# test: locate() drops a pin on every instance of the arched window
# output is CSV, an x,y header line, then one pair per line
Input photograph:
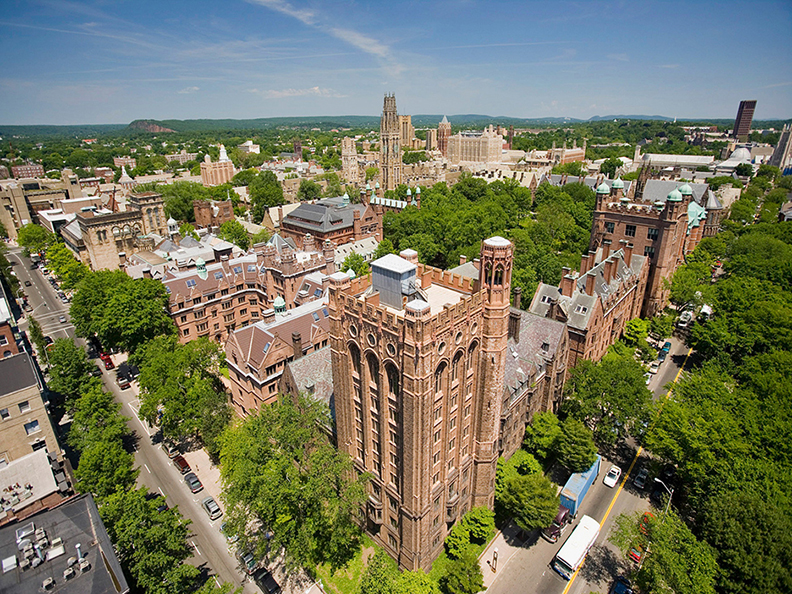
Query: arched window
x,y
472,355
498,277
354,355
393,381
373,369
487,273
151,222
456,367
439,377
157,216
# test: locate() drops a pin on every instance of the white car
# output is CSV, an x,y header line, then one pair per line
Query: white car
x,y
654,367
612,477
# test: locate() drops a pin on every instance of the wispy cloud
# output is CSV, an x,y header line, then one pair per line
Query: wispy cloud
x,y
782,84
364,43
669,66
283,93
619,57
188,90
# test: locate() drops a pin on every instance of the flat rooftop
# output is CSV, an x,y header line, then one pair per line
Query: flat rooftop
x,y
25,481
439,296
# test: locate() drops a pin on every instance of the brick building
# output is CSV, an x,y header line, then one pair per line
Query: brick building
x,y
332,219
212,213
27,170
597,302
215,299
219,172
130,162
443,134
419,359
258,355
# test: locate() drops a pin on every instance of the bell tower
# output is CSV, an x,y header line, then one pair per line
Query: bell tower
x,y
497,255
390,144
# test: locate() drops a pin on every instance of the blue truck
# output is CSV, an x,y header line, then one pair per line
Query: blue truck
x,y
578,485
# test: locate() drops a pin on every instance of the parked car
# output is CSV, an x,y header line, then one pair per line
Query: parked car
x,y
612,477
95,372
266,582
640,479
27,283
193,482
654,367
108,363
647,378
62,319
621,585
48,340
684,319
180,463
247,561
122,381
666,347
646,519
170,449
668,475
636,553
230,538
661,356
211,508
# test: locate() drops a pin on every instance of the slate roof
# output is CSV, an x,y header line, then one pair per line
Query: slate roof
x,y
313,374
591,182
657,190
579,307
526,359
324,215
468,269
365,247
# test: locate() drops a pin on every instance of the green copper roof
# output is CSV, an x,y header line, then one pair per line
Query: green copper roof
x,y
603,188
686,190
675,196
618,184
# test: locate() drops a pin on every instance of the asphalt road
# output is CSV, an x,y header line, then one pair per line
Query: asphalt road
x,y
157,472
529,571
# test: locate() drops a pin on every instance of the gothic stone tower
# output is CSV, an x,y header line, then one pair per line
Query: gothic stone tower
x,y
443,134
390,144
418,365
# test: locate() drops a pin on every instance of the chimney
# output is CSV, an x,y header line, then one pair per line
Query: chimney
x,y
477,263
268,316
567,282
515,317
628,252
147,273
410,255
297,345
309,245
517,297
608,270
462,260
606,248
590,278
280,216
122,258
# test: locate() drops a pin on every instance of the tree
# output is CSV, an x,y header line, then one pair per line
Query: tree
x,y
371,173
96,417
662,325
34,239
92,294
744,170
69,368
187,230
36,335
309,190
635,331
180,389
151,545
380,575
136,312
690,283
384,248
611,396
65,266
531,500
752,540
480,522
355,262
234,232
105,468
576,449
542,434
610,166
677,561
416,582
457,541
262,236
463,575
282,473
264,191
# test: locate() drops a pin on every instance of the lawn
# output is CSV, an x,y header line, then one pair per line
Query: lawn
x,y
347,579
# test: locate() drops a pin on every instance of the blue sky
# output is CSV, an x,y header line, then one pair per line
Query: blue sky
x,y
112,61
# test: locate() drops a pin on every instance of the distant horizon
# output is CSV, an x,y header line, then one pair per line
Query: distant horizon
x,y
84,62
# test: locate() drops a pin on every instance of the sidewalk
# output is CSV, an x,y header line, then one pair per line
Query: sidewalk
x,y
507,544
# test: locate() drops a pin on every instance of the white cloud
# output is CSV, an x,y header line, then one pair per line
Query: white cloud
x,y
187,90
312,91
306,16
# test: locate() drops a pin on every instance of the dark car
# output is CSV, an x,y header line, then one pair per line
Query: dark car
x,y
95,372
27,283
661,356
193,482
247,561
266,582
48,340
561,521
640,479
669,474
180,463
621,585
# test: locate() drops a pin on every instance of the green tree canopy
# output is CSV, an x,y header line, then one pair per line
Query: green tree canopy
x,y
463,575
69,368
65,266
309,190
355,262
265,191
542,434
34,238
234,232
281,472
531,500
96,417
576,449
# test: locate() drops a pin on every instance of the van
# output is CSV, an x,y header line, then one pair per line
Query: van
x,y
553,532
571,556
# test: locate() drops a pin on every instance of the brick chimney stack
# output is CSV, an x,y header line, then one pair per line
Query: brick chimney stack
x,y
608,270
297,345
628,252
590,278
606,248
567,282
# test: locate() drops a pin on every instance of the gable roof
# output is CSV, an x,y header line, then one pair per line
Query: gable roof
x,y
325,215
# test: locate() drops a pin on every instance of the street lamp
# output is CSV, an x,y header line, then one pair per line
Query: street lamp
x,y
670,495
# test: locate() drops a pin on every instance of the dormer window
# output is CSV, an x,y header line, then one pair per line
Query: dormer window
x,y
581,309
546,299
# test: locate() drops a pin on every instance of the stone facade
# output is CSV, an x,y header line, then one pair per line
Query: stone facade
x,y
443,134
212,213
418,357
215,174
214,299
481,147
332,219
390,145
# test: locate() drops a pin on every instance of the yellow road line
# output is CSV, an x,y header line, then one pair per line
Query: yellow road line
x,y
632,465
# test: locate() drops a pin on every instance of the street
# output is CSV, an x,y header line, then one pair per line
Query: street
x,y
528,571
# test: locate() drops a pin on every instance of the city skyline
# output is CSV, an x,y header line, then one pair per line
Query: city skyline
x,y
86,62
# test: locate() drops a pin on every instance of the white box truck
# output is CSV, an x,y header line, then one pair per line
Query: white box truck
x,y
571,555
